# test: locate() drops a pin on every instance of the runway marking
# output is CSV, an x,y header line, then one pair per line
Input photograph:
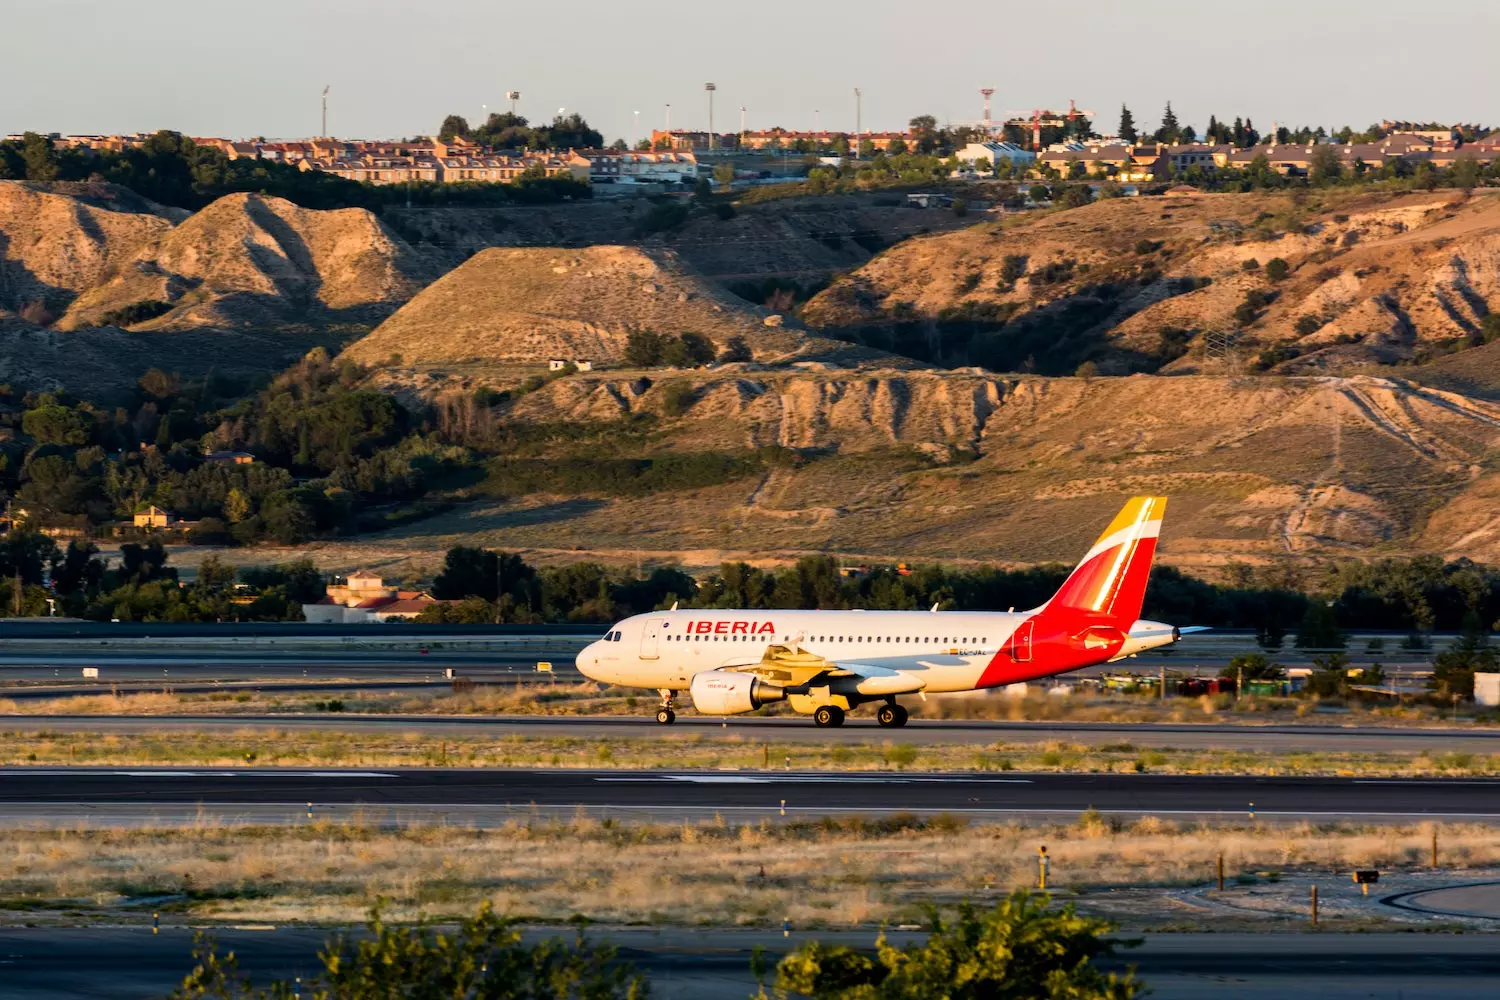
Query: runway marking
x,y
75,773
840,779
1430,783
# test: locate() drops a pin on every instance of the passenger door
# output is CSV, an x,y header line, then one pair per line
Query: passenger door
x,y
650,637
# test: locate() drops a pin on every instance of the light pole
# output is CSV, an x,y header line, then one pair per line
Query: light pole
x,y
635,138
710,88
512,96
742,119
325,112
669,117
859,110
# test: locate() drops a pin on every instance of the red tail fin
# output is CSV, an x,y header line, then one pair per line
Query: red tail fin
x,y
1111,579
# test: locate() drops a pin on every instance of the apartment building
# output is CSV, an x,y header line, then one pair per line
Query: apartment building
x,y
617,166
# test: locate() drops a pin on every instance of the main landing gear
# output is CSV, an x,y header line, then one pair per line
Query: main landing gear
x,y
891,715
828,716
667,714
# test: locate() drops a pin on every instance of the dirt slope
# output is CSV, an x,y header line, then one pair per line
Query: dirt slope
x,y
1376,278
252,261
57,241
526,306
939,465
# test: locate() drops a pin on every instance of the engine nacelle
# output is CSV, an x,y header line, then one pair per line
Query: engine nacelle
x,y
728,692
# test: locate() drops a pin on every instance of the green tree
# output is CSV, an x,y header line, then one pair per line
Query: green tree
x,y
1453,669
1252,667
1171,129
644,349
1319,628
40,158
1325,166
1127,130
1276,269
1467,174
1021,949
724,174
484,957
50,422
453,127
736,349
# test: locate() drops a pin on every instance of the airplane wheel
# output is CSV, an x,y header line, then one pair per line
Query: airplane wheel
x,y
829,716
666,716
892,716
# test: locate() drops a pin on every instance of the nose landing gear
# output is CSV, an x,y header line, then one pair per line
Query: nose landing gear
x,y
667,714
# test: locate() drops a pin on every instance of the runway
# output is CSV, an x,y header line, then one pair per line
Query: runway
x,y
712,964
792,730
493,795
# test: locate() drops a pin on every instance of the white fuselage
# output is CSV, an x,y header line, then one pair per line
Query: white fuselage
x,y
663,650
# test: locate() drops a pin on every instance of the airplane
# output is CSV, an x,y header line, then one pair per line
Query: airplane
x,y
825,663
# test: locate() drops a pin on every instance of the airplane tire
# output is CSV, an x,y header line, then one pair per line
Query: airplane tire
x,y
666,716
828,716
891,716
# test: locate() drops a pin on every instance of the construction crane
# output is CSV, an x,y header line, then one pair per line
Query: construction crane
x,y
1039,118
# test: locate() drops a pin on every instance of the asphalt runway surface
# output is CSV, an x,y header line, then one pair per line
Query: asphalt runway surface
x,y
709,964
486,793
791,730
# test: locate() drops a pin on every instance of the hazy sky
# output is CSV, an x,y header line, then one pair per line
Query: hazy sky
x,y
256,67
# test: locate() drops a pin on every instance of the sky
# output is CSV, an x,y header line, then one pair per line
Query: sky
x,y
396,67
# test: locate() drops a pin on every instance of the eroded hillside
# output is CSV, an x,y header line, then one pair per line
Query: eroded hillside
x,y
510,307
927,465
56,244
249,261
1180,282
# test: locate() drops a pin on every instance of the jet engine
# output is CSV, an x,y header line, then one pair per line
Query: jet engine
x,y
728,692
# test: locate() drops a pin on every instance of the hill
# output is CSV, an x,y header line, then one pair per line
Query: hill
x,y
522,307
252,261
1131,284
922,466
58,241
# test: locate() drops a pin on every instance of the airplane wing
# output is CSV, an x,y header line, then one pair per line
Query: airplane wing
x,y
796,667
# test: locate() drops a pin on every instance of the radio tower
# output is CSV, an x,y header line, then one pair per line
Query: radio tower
x,y
988,92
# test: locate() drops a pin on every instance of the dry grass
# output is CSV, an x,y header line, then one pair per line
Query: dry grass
x,y
332,748
825,873
590,699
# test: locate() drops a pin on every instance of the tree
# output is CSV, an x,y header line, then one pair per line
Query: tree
x,y
1021,949
736,349
1330,676
1171,130
1453,669
453,127
53,423
644,349
1127,129
724,174
39,156
1276,269
1252,667
1466,175
483,957
1325,166
1319,628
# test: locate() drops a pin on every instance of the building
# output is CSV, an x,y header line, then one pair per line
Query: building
x,y
153,517
616,166
229,458
365,599
687,140
779,139
993,152
581,364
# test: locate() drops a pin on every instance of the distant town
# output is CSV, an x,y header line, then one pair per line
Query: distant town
x,y
1045,145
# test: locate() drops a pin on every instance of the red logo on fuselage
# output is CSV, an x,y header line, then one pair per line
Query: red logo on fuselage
x,y
731,628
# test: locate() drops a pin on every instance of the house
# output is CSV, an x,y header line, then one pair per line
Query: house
x,y
364,599
154,517
581,364
620,166
229,458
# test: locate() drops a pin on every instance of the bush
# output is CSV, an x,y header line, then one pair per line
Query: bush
x,y
1276,269
1250,265
735,349
1012,268
677,398
136,312
1308,325
1145,247
1020,949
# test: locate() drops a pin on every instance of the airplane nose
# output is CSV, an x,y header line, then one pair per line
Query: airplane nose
x,y
585,660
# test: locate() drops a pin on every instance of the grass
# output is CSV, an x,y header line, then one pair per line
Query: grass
x,y
591,699
21,746
829,873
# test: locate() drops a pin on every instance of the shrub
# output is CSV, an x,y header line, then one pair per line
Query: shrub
x,y
1308,325
1145,247
676,398
1250,265
136,312
1276,269
735,349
